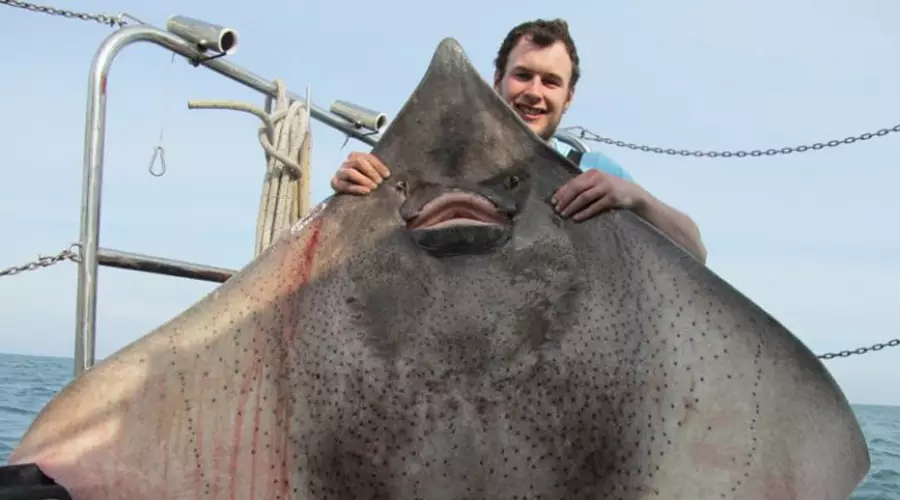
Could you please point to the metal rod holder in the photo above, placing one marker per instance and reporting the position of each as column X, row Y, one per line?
column 159, row 265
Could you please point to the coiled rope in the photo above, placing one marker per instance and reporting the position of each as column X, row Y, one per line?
column 286, row 138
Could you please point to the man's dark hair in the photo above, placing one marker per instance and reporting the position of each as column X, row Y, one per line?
column 543, row 33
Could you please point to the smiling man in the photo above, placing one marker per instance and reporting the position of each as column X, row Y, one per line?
column 536, row 71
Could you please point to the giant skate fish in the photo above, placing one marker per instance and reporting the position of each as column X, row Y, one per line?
column 450, row 337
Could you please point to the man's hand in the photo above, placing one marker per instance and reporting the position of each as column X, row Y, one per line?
column 359, row 174
column 593, row 192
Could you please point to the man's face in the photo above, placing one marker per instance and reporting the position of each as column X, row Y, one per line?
column 536, row 84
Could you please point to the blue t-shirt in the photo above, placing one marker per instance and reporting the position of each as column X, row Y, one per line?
column 596, row 160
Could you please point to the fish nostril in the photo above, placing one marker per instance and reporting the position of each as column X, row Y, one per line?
column 512, row 182
column 401, row 187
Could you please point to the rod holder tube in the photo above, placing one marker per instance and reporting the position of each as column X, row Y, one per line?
column 358, row 115
column 204, row 35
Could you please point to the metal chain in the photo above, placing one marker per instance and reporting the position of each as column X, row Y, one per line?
column 860, row 350
column 112, row 21
column 586, row 134
column 70, row 253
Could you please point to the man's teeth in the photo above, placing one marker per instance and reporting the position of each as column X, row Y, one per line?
column 530, row 110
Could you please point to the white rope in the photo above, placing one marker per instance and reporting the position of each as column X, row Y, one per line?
column 285, row 137
column 280, row 204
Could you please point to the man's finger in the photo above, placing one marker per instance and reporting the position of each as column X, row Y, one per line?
column 369, row 160
column 566, row 194
column 379, row 166
column 354, row 176
column 350, row 188
column 364, row 165
column 584, row 199
column 603, row 203
column 570, row 190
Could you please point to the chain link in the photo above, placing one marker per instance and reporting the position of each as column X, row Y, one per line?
column 70, row 253
column 112, row 21
column 860, row 350
column 586, row 134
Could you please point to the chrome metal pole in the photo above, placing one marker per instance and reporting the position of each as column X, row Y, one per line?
column 95, row 128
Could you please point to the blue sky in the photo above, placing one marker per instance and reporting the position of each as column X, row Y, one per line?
column 811, row 237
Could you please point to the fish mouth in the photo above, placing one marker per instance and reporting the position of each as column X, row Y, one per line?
column 457, row 209
column 459, row 223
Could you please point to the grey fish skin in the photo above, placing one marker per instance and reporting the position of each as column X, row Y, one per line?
column 526, row 357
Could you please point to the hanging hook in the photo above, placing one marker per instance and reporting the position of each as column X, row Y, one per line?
column 357, row 126
column 161, row 153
